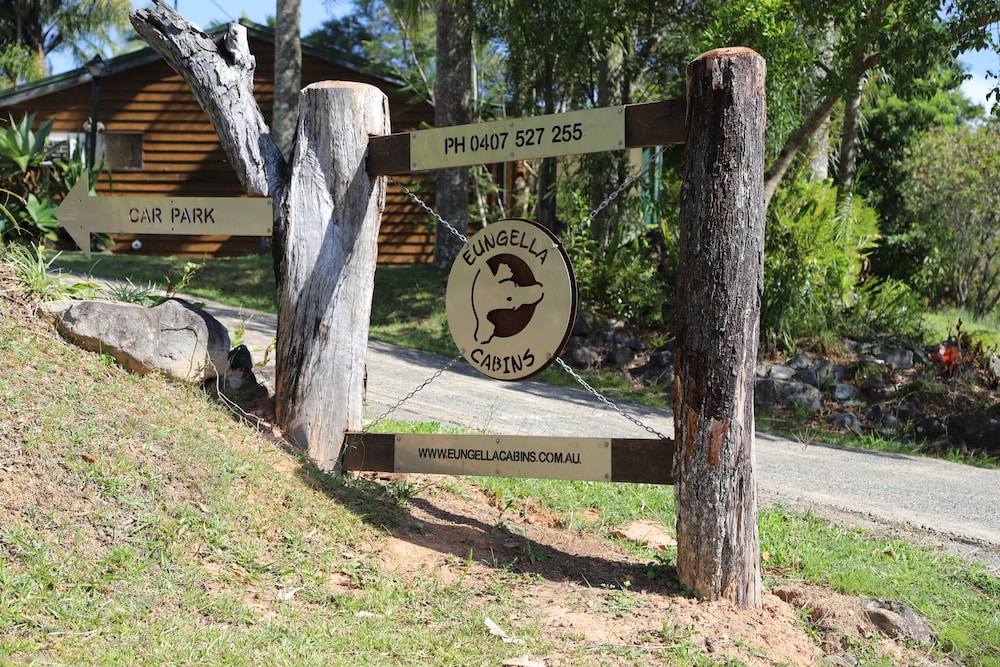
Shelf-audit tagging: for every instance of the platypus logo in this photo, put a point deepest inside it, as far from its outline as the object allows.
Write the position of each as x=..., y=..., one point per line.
x=504, y=296
x=511, y=299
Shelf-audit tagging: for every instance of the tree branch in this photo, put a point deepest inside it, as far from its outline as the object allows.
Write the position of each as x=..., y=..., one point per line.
x=222, y=80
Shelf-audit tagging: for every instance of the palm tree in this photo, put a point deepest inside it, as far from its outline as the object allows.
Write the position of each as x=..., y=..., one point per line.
x=32, y=29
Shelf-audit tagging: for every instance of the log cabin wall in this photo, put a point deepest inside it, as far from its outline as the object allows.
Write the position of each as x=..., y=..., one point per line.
x=179, y=153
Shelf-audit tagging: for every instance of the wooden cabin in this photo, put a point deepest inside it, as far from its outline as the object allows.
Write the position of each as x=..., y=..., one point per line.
x=156, y=140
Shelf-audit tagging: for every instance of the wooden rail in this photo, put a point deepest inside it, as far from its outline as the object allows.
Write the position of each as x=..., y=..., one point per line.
x=635, y=460
x=650, y=124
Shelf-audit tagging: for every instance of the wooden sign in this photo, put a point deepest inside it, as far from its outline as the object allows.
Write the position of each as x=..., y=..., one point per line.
x=511, y=299
x=634, y=460
x=585, y=459
x=570, y=133
x=82, y=215
x=648, y=124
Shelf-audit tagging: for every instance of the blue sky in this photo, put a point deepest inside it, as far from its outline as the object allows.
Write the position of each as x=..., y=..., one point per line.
x=204, y=12
x=315, y=12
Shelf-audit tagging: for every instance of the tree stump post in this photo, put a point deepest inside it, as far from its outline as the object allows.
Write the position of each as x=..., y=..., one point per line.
x=327, y=212
x=325, y=265
x=718, y=321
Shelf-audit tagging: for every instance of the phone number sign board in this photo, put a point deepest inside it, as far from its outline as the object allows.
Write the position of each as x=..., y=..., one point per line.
x=570, y=133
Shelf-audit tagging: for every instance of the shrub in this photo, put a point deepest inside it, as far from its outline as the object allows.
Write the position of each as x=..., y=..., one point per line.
x=32, y=180
x=813, y=258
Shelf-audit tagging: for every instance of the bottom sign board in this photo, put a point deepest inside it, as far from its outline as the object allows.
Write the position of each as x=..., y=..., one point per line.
x=637, y=460
x=587, y=459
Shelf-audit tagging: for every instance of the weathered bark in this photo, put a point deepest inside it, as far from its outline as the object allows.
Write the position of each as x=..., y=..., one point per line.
x=222, y=80
x=848, y=151
x=718, y=308
x=799, y=138
x=819, y=150
x=326, y=219
x=287, y=74
x=325, y=264
x=452, y=106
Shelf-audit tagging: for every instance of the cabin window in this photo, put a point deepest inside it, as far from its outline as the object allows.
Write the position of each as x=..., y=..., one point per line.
x=66, y=146
x=122, y=151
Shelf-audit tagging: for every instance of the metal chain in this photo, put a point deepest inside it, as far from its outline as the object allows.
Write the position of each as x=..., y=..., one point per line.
x=382, y=417
x=626, y=184
x=431, y=211
x=607, y=401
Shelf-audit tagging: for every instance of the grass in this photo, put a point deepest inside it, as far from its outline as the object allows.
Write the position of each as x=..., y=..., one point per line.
x=941, y=326
x=959, y=603
x=157, y=530
x=143, y=524
x=244, y=282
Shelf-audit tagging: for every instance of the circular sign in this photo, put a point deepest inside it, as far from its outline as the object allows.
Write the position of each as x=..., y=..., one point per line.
x=511, y=299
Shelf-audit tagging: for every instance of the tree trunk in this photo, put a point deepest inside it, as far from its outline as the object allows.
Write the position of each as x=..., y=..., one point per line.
x=819, y=155
x=545, y=208
x=325, y=264
x=799, y=138
x=326, y=219
x=718, y=310
x=287, y=73
x=452, y=106
x=223, y=83
x=606, y=170
x=848, y=151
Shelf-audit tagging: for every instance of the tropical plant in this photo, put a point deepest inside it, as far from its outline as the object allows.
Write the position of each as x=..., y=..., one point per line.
x=35, y=178
x=814, y=258
x=31, y=29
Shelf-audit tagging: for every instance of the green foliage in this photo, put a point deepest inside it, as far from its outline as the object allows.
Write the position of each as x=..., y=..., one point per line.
x=34, y=272
x=953, y=198
x=625, y=270
x=893, y=126
x=776, y=32
x=74, y=27
x=884, y=305
x=21, y=148
x=812, y=261
x=400, y=45
x=17, y=64
x=623, y=281
x=33, y=178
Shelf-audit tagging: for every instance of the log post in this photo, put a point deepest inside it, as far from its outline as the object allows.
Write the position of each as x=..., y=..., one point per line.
x=718, y=322
x=324, y=257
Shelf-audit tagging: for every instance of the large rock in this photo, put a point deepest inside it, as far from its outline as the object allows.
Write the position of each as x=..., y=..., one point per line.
x=975, y=431
x=174, y=338
x=770, y=394
x=897, y=620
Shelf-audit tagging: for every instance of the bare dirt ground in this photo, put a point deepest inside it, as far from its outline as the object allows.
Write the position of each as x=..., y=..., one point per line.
x=577, y=580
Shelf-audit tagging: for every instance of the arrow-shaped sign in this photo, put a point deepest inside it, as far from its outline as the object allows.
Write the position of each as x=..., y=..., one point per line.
x=81, y=215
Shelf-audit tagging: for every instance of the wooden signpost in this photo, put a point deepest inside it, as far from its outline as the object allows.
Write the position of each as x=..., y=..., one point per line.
x=327, y=215
x=82, y=215
x=512, y=299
